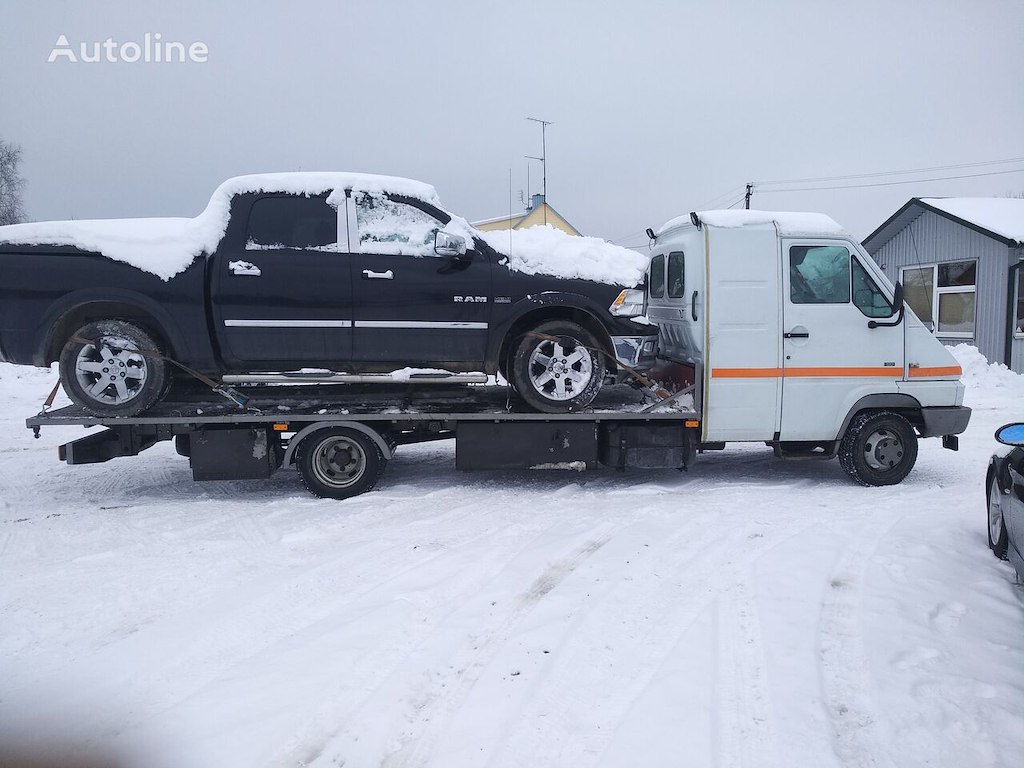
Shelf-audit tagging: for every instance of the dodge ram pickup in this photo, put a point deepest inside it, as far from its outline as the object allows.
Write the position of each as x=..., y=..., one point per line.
x=324, y=272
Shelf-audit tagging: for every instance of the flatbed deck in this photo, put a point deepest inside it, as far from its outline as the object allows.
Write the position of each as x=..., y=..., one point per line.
x=376, y=403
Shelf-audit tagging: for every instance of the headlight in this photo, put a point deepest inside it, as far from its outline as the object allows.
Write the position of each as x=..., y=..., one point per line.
x=629, y=303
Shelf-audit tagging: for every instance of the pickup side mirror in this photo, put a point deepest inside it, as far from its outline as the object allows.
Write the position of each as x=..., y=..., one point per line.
x=897, y=309
x=447, y=244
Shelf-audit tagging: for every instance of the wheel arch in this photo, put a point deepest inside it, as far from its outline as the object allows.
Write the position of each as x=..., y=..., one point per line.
x=73, y=314
x=307, y=431
x=905, y=405
x=533, y=317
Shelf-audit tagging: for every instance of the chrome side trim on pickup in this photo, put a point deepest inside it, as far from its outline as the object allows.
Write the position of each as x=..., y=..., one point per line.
x=418, y=324
x=288, y=323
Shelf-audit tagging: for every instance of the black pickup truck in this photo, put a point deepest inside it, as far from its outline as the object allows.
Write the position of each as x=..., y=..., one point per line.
x=306, y=277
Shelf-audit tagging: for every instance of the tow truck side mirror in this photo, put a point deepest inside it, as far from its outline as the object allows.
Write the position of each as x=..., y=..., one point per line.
x=897, y=309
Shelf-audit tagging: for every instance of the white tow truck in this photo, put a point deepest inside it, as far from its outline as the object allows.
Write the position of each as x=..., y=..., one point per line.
x=779, y=326
x=797, y=338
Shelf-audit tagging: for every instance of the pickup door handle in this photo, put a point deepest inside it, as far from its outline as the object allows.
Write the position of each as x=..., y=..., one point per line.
x=803, y=335
x=369, y=274
x=244, y=268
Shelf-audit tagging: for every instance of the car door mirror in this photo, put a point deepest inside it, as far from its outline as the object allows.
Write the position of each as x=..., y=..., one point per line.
x=1011, y=434
x=447, y=244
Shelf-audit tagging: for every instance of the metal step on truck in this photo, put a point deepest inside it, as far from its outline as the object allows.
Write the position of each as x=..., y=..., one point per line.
x=774, y=328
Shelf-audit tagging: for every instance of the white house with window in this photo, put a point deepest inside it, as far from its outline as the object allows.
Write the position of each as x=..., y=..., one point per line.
x=961, y=262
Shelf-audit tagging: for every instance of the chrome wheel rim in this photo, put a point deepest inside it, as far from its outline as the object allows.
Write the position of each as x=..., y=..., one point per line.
x=560, y=372
x=339, y=462
x=995, y=513
x=884, y=450
x=111, y=370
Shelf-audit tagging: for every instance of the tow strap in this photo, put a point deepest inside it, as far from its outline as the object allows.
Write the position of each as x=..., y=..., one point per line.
x=220, y=388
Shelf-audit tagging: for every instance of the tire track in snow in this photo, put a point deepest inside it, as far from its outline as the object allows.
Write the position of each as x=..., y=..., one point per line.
x=683, y=578
x=858, y=733
x=744, y=733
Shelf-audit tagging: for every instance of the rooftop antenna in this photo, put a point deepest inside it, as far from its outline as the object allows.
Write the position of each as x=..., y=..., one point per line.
x=529, y=197
x=510, y=213
x=544, y=158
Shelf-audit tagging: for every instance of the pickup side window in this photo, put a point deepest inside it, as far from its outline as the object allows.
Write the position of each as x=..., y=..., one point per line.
x=292, y=221
x=867, y=296
x=819, y=274
x=394, y=228
x=657, y=281
x=676, y=275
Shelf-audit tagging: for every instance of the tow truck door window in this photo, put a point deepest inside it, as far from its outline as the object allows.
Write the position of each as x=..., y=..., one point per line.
x=282, y=295
x=413, y=306
x=867, y=296
x=819, y=274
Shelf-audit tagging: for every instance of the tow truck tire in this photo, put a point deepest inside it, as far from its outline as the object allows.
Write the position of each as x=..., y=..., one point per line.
x=558, y=367
x=879, y=448
x=338, y=463
x=120, y=355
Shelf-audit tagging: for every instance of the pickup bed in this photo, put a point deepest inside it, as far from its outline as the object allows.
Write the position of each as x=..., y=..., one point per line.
x=309, y=273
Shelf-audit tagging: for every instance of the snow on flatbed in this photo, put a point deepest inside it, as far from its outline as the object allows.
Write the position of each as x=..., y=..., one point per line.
x=749, y=612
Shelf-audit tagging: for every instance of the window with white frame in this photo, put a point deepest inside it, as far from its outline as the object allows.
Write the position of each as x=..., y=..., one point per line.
x=1018, y=320
x=943, y=296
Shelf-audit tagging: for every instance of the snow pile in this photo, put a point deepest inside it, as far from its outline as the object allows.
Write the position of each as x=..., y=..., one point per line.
x=166, y=247
x=1002, y=215
x=788, y=223
x=988, y=383
x=544, y=250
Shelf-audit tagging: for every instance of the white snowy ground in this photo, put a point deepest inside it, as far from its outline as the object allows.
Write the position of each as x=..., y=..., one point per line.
x=748, y=613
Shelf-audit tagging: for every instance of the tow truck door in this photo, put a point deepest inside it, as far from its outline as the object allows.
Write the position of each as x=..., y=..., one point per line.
x=831, y=357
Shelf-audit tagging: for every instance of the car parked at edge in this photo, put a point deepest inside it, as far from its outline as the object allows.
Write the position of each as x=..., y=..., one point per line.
x=1005, y=496
x=300, y=271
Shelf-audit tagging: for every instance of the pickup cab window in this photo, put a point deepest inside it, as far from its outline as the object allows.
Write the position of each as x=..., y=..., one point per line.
x=819, y=274
x=391, y=227
x=292, y=221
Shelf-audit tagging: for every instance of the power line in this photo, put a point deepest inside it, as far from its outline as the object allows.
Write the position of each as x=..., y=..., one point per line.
x=895, y=173
x=894, y=183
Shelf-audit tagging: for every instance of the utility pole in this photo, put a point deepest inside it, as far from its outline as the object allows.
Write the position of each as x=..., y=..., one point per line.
x=746, y=197
x=544, y=158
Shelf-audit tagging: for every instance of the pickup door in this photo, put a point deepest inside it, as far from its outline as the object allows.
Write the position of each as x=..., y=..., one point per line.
x=411, y=305
x=281, y=287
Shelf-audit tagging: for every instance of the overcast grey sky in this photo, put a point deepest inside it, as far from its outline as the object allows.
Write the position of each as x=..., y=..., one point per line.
x=658, y=107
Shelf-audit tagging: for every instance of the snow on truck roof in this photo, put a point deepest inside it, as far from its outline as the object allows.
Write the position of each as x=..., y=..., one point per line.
x=166, y=247
x=786, y=222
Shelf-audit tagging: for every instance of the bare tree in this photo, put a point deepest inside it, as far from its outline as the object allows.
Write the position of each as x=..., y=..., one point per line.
x=12, y=209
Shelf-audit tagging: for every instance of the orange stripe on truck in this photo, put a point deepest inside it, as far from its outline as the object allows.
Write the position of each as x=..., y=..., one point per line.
x=869, y=372
x=775, y=373
x=942, y=370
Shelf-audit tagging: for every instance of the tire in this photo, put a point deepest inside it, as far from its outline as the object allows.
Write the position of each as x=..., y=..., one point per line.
x=997, y=540
x=879, y=448
x=112, y=351
x=552, y=384
x=338, y=463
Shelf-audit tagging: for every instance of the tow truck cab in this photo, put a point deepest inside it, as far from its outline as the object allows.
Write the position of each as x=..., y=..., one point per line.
x=793, y=332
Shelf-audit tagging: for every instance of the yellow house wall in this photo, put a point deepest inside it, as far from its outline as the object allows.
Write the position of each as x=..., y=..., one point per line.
x=499, y=224
x=536, y=217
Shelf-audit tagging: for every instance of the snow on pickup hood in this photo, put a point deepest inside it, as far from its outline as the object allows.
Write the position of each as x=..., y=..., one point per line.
x=544, y=250
x=166, y=247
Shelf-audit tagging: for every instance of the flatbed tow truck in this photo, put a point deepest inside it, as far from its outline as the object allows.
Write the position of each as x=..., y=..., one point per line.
x=341, y=438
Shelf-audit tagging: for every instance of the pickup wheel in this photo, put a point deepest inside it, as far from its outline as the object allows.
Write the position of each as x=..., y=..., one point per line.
x=879, y=448
x=113, y=368
x=337, y=463
x=558, y=367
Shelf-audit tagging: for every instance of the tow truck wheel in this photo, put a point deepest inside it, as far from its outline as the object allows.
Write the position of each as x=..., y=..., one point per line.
x=113, y=368
x=558, y=367
x=879, y=448
x=338, y=463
